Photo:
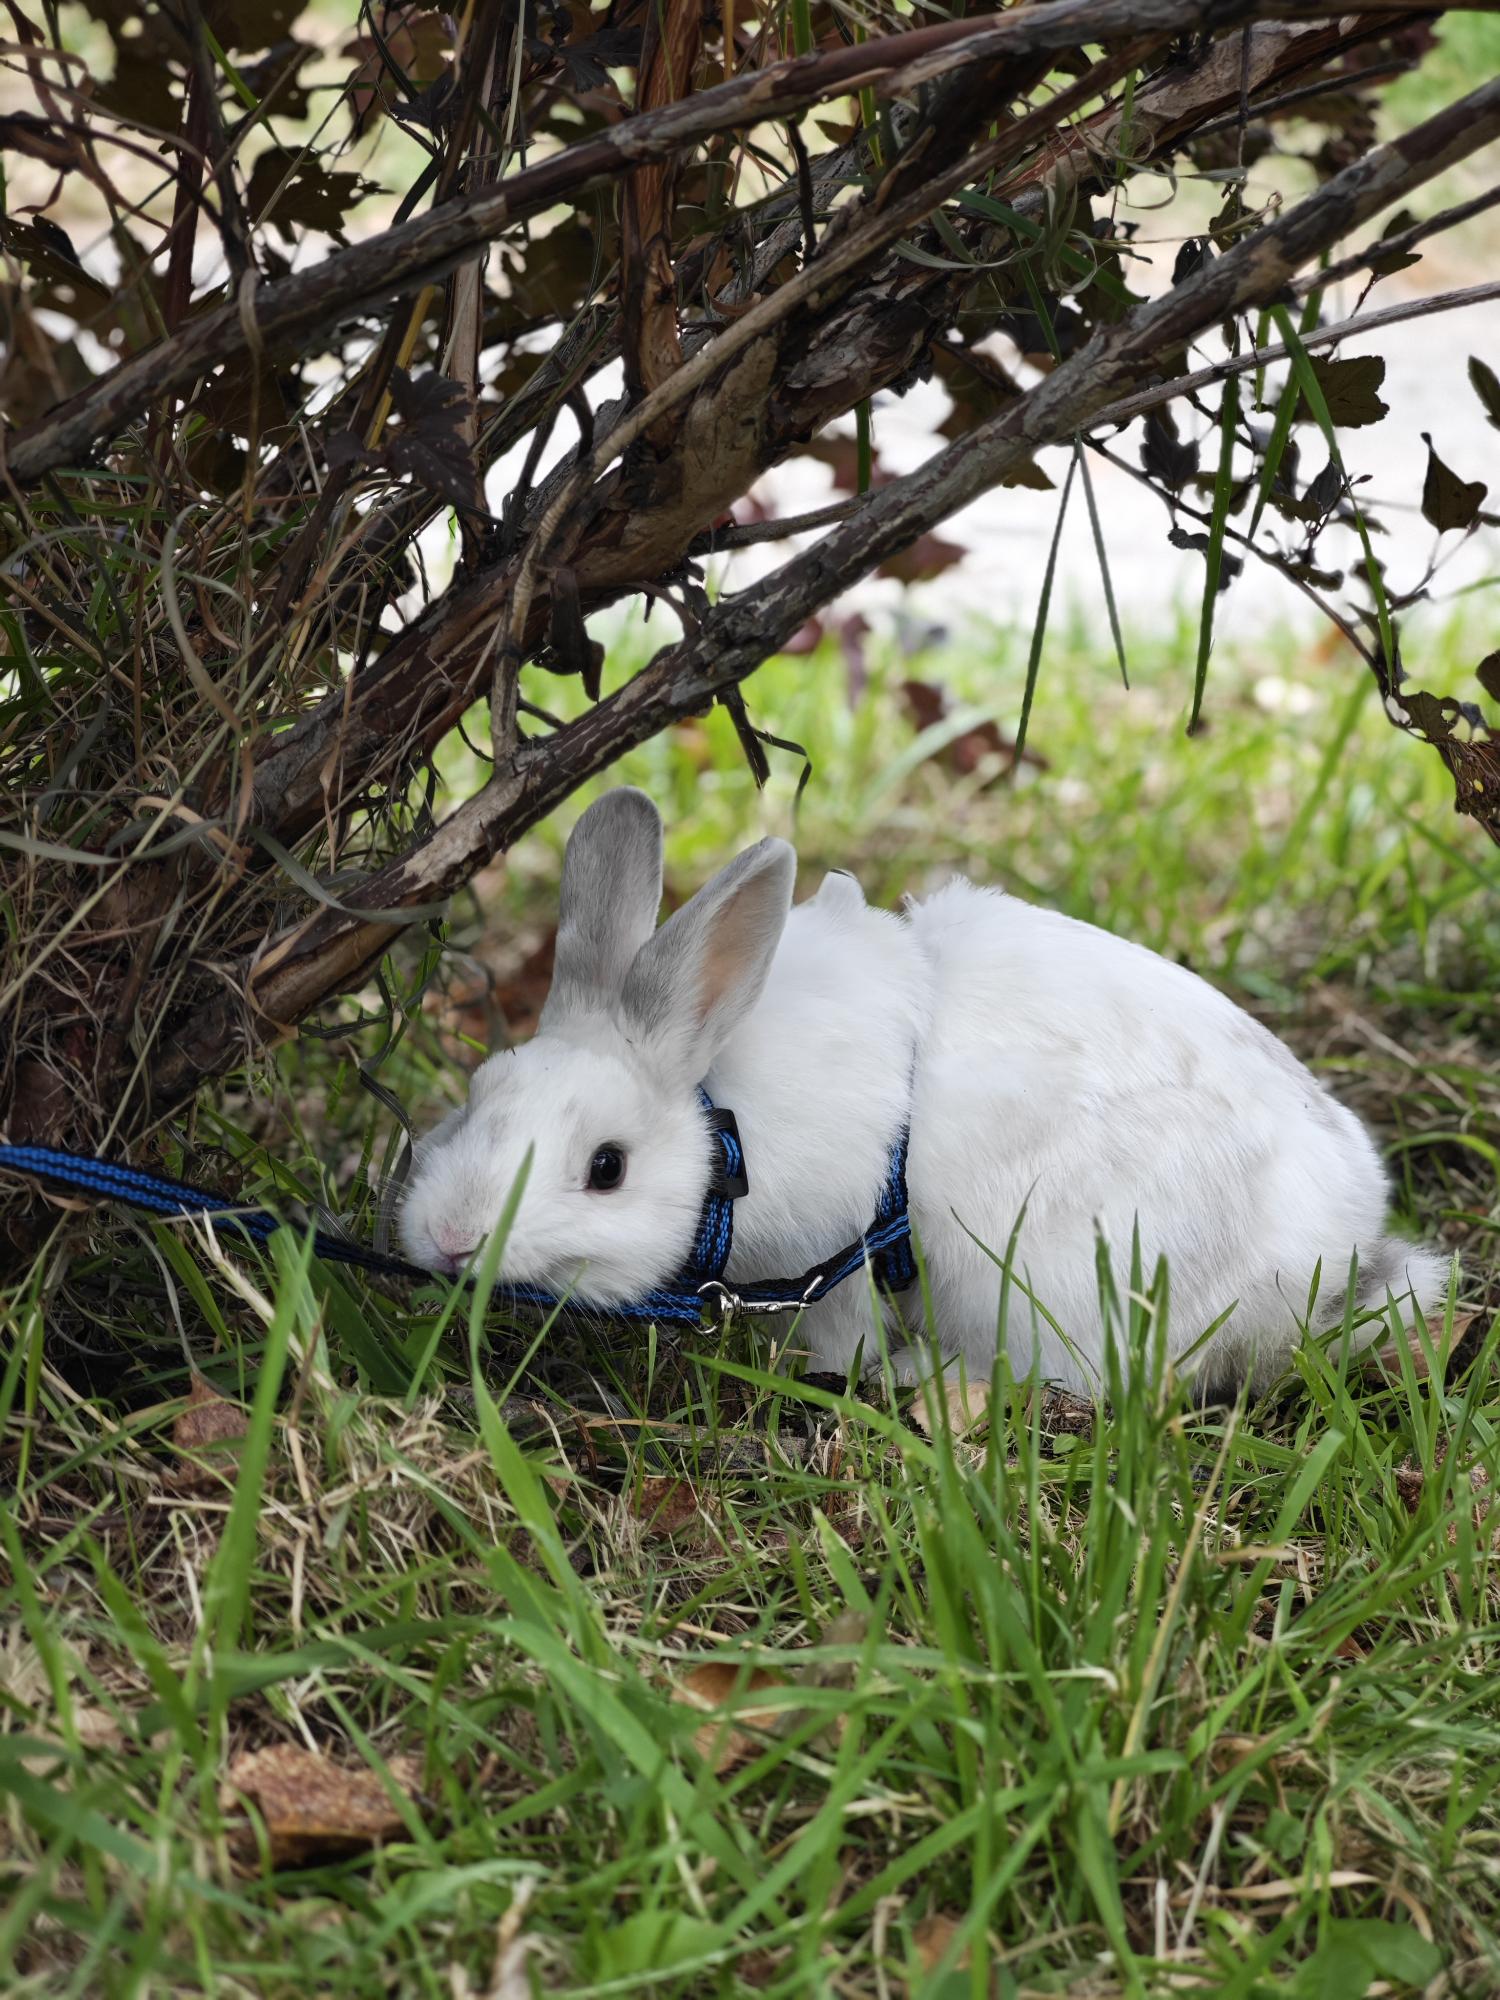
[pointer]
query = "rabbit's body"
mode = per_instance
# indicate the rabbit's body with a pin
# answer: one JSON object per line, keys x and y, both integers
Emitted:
{"x": 988, "y": 1021}
{"x": 1051, "y": 1075}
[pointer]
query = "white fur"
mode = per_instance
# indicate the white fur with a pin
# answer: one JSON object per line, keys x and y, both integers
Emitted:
{"x": 1045, "y": 1066}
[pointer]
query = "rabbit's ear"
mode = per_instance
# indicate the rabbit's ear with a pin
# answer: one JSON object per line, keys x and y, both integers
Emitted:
{"x": 611, "y": 891}
{"x": 697, "y": 979}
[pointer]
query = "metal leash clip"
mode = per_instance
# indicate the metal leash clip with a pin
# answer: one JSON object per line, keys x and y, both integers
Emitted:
{"x": 730, "y": 1302}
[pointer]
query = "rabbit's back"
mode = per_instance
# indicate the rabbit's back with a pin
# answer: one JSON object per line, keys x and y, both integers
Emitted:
{"x": 1089, "y": 1082}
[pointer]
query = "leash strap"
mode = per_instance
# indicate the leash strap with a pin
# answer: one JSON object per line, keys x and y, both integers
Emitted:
{"x": 111, "y": 1180}
{"x": 886, "y": 1245}
{"x": 701, "y": 1283}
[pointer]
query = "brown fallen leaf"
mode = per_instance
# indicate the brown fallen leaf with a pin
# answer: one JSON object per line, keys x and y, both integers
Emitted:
{"x": 1384, "y": 1363}
{"x": 965, "y": 1402}
{"x": 932, "y": 1937}
{"x": 207, "y": 1434}
{"x": 709, "y": 1686}
{"x": 666, "y": 1506}
{"x": 96, "y": 1730}
{"x": 313, "y": 1808}
{"x": 928, "y": 703}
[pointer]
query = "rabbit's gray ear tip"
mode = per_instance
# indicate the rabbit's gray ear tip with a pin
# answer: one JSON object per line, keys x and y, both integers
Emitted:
{"x": 631, "y": 799}
{"x": 625, "y": 804}
{"x": 777, "y": 855}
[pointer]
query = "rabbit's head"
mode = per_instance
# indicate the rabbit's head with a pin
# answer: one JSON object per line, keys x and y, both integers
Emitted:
{"x": 604, "y": 1097}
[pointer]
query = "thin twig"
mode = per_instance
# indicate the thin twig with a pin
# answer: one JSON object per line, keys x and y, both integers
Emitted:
{"x": 713, "y": 541}
{"x": 1325, "y": 336}
{"x": 426, "y": 248}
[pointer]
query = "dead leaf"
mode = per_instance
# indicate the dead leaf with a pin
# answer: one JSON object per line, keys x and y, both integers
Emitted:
{"x": 433, "y": 443}
{"x": 932, "y": 1937}
{"x": 667, "y": 1506}
{"x": 709, "y": 1686}
{"x": 1448, "y": 501}
{"x": 1410, "y": 1482}
{"x": 313, "y": 1808}
{"x": 1384, "y": 1362}
{"x": 95, "y": 1728}
{"x": 1164, "y": 456}
{"x": 292, "y": 192}
{"x": 1486, "y": 387}
{"x": 965, "y": 1402}
{"x": 927, "y": 703}
{"x": 206, "y": 1433}
{"x": 925, "y": 558}
{"x": 1349, "y": 389}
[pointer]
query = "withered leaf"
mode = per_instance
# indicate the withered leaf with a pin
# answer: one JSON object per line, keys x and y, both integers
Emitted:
{"x": 206, "y": 1433}
{"x": 432, "y": 444}
{"x": 313, "y": 1808}
{"x": 1349, "y": 389}
{"x": 1193, "y": 255}
{"x": 1486, "y": 388}
{"x": 287, "y": 189}
{"x": 1487, "y": 673}
{"x": 47, "y": 252}
{"x": 709, "y": 1686}
{"x": 927, "y": 703}
{"x": 1324, "y": 492}
{"x": 1448, "y": 501}
{"x": 1433, "y": 714}
{"x": 1163, "y": 454}
{"x": 1383, "y": 1363}
{"x": 962, "y": 1404}
{"x": 933, "y": 1936}
{"x": 575, "y": 651}
{"x": 207, "y": 1419}
{"x": 588, "y": 62}
{"x": 666, "y": 1506}
{"x": 255, "y": 24}
{"x": 1320, "y": 579}
{"x": 928, "y": 556}
{"x": 1383, "y": 264}
{"x": 1030, "y": 474}
{"x": 1229, "y": 565}
{"x": 277, "y": 71}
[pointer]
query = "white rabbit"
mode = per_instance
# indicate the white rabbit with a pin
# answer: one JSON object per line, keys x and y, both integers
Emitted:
{"x": 1045, "y": 1069}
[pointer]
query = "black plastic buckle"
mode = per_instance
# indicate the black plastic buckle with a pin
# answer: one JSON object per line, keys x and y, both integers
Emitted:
{"x": 730, "y": 1177}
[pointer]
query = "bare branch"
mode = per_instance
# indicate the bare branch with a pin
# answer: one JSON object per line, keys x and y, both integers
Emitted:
{"x": 1320, "y": 337}
{"x": 333, "y": 949}
{"x": 427, "y": 248}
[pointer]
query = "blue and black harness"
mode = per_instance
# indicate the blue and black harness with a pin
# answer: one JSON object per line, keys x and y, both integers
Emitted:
{"x": 699, "y": 1287}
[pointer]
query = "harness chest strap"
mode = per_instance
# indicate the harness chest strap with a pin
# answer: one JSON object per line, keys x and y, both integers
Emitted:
{"x": 886, "y": 1245}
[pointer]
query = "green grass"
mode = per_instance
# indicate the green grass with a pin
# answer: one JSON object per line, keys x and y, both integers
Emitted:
{"x": 1143, "y": 1702}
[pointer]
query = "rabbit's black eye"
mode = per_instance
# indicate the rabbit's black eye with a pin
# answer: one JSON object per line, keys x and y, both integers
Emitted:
{"x": 607, "y": 1168}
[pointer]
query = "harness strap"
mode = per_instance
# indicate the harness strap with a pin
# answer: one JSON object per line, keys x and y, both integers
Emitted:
{"x": 701, "y": 1283}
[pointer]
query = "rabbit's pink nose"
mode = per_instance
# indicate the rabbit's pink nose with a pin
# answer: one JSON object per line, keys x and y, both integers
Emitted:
{"x": 456, "y": 1244}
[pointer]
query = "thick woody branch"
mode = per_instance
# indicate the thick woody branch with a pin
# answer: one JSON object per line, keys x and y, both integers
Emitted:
{"x": 731, "y": 433}
{"x": 425, "y": 249}
{"x": 333, "y": 949}
{"x": 651, "y": 339}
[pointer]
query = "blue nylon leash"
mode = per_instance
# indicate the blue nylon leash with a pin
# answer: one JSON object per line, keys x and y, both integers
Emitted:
{"x": 886, "y": 1244}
